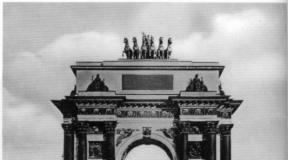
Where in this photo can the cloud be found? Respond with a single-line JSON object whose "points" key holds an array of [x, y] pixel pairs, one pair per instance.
{"points": [[246, 42]]}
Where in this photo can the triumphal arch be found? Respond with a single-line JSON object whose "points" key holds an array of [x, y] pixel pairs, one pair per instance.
{"points": [[147, 98]]}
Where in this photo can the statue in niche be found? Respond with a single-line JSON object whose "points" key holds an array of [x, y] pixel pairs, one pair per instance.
{"points": [[194, 150], [136, 50], [97, 85], [160, 50], [95, 149], [168, 51], [127, 50], [144, 47], [196, 85]]}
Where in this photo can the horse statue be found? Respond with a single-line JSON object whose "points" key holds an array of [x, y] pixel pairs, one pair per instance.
{"points": [[152, 48], [160, 50], [168, 50], [144, 47], [127, 49], [136, 50]]}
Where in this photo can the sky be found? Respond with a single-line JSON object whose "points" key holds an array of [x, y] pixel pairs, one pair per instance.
{"points": [[42, 40]]}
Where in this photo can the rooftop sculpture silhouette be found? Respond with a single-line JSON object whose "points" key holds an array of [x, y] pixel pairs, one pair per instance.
{"points": [[148, 49]]}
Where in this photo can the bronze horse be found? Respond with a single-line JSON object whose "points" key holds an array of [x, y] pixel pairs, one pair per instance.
{"points": [[127, 49], [168, 50], [160, 50], [136, 50]]}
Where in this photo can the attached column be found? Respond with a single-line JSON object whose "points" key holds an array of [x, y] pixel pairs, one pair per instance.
{"points": [[68, 141], [110, 139], [182, 139], [225, 141], [211, 131], [82, 141]]}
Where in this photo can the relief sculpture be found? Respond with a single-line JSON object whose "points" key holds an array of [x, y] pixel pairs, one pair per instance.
{"points": [[95, 150], [196, 85], [123, 133], [195, 150], [97, 85]]}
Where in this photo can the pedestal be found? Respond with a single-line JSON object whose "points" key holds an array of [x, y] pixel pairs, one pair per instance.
{"points": [[225, 141]]}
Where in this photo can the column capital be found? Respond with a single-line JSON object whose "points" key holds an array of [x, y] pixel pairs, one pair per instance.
{"points": [[225, 129], [82, 127], [211, 127], [68, 128], [109, 126]]}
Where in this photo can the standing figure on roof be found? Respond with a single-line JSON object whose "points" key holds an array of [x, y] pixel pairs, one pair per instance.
{"points": [[144, 47], [160, 50]]}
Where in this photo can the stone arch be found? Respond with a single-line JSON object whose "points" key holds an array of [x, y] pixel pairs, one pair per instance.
{"points": [[138, 139]]}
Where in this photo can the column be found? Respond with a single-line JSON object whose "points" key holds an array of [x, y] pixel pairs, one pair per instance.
{"points": [[225, 141], [211, 131], [82, 141], [183, 138], [109, 129], [68, 141]]}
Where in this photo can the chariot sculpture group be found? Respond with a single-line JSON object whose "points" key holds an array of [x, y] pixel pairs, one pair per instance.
{"points": [[148, 49]]}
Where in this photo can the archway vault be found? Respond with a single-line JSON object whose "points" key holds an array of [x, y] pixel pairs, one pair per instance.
{"points": [[138, 139]]}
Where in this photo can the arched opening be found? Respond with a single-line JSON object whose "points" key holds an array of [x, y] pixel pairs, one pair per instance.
{"points": [[147, 149], [147, 152]]}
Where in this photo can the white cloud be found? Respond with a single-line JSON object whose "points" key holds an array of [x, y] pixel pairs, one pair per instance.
{"points": [[241, 41]]}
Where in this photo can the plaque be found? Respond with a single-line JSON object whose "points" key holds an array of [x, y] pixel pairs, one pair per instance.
{"points": [[147, 82]]}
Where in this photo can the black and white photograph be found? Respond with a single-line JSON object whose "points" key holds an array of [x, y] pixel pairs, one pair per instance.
{"points": [[144, 80]]}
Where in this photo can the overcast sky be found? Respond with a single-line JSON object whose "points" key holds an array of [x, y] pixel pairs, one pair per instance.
{"points": [[41, 41]]}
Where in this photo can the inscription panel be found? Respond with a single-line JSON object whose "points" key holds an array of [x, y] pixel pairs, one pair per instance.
{"points": [[147, 82]]}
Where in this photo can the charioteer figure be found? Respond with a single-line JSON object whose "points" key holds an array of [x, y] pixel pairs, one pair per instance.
{"points": [[148, 49]]}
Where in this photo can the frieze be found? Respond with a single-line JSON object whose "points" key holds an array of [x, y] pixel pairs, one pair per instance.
{"points": [[195, 150], [144, 113], [198, 111], [196, 104], [124, 133], [96, 111], [96, 105]]}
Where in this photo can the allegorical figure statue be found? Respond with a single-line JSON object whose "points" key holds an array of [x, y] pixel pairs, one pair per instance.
{"points": [[127, 50], [196, 85], [97, 85], [136, 50], [160, 50], [144, 47]]}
